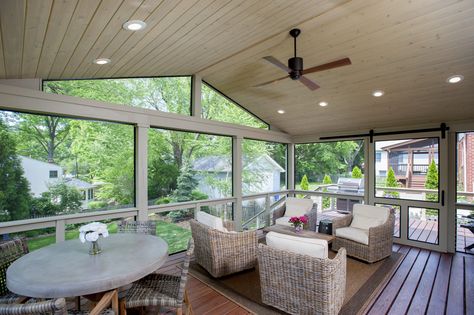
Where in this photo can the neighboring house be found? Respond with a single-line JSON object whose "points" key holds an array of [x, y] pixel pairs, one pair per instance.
{"points": [[263, 172], [41, 175], [409, 159], [465, 161]]}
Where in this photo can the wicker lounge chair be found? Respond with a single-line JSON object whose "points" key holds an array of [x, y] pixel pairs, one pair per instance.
{"points": [[160, 290], [224, 253], [370, 243], [9, 252], [281, 212], [58, 307], [143, 227], [300, 284]]}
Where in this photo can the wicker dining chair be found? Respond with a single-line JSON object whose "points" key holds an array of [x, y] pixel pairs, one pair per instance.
{"points": [[59, 307], [143, 227], [301, 284], [224, 253], [161, 290], [9, 252]]}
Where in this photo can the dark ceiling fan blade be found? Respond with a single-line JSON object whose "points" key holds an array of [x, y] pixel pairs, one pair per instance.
{"points": [[277, 63], [329, 65], [272, 81], [309, 84]]}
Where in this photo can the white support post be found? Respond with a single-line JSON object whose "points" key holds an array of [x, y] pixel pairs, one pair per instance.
{"points": [[197, 208], [267, 210], [60, 231], [451, 192], [290, 167], [141, 171], [196, 86], [237, 180]]}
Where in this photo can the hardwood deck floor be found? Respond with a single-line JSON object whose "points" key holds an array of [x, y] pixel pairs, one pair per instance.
{"points": [[426, 282]]}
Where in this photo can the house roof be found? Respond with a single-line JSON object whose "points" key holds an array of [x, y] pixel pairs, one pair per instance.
{"points": [[224, 164], [412, 143], [79, 184], [408, 49], [39, 161]]}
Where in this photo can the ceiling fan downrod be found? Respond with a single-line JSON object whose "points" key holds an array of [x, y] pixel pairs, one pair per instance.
{"points": [[295, 63]]}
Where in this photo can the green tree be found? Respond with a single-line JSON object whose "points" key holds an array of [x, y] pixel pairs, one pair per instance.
{"points": [[326, 200], [14, 188], [391, 181], [187, 183], [432, 181], [304, 185], [66, 198], [356, 172]]}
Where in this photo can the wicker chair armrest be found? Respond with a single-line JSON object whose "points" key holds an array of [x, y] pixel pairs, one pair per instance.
{"points": [[384, 231], [341, 222], [57, 306], [229, 225], [313, 218]]}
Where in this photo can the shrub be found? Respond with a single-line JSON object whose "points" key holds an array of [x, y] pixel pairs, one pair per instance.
{"points": [[304, 185], [356, 172], [326, 200], [98, 204], [391, 181], [432, 181]]}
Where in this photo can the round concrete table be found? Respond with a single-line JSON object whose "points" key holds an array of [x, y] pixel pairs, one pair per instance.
{"points": [[66, 269]]}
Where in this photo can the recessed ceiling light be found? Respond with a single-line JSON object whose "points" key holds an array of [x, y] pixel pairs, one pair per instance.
{"points": [[455, 78], [378, 93], [134, 25], [280, 111], [323, 104], [101, 61]]}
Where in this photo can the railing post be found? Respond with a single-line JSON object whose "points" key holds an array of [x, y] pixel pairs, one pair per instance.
{"points": [[197, 208], [267, 210], [60, 231], [290, 167], [237, 180]]}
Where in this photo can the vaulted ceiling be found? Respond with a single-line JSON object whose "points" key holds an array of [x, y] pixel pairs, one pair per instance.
{"points": [[406, 48]]}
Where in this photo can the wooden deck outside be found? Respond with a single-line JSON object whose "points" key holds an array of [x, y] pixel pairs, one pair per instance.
{"points": [[426, 282]]}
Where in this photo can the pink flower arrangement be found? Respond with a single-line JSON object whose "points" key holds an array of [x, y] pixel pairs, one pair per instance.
{"points": [[298, 222]]}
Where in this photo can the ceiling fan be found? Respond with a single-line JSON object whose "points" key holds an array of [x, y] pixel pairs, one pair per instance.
{"points": [[295, 66]]}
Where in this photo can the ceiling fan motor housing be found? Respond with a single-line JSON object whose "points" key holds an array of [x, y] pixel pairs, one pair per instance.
{"points": [[296, 66]]}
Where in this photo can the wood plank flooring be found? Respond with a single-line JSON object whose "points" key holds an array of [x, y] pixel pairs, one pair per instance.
{"points": [[426, 282]]}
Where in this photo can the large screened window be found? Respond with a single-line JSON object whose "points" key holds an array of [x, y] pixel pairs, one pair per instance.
{"points": [[52, 165], [216, 106], [335, 167], [166, 94], [407, 169]]}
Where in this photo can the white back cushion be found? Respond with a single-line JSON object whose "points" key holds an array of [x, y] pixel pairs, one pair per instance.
{"points": [[211, 221], [283, 221], [296, 207], [300, 245], [365, 216]]}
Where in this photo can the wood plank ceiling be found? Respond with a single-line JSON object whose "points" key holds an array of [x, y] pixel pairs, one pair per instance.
{"points": [[406, 48]]}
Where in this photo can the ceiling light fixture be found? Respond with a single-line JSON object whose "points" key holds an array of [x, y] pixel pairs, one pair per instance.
{"points": [[280, 111], [101, 61], [134, 25], [378, 93], [323, 104], [455, 79]]}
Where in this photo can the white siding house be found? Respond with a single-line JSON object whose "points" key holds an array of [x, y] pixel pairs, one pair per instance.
{"points": [[40, 174]]}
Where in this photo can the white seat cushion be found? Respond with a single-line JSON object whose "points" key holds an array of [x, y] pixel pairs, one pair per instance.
{"points": [[365, 216], [354, 234], [283, 221], [211, 221], [300, 245], [296, 207]]}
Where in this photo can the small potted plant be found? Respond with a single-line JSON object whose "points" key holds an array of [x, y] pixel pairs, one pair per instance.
{"points": [[299, 222], [91, 233]]}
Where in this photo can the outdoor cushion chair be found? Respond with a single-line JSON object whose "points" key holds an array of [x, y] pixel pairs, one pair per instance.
{"points": [[58, 307], [223, 253], [9, 252], [296, 207], [367, 234], [161, 290], [143, 227], [301, 284]]}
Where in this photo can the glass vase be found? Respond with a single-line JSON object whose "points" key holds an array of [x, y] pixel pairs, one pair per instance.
{"points": [[94, 248], [298, 228]]}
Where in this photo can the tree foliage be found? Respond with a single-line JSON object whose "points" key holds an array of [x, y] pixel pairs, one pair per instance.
{"points": [[326, 200], [431, 181], [356, 172], [391, 181], [14, 188], [304, 185]]}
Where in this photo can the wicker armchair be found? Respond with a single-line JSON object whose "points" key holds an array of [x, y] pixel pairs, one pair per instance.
{"points": [[143, 227], [380, 238], [160, 289], [312, 215], [58, 307], [300, 284], [224, 253], [9, 252]]}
